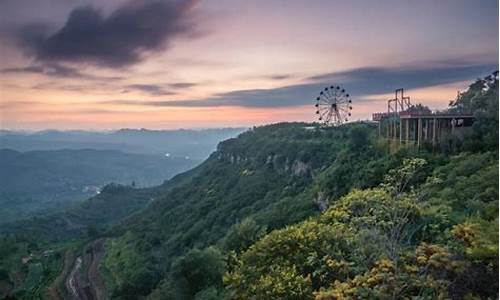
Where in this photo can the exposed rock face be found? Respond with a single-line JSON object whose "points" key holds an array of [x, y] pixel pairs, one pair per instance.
{"points": [[276, 161], [300, 168], [232, 158], [321, 201]]}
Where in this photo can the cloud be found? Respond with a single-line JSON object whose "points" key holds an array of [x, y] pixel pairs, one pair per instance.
{"points": [[182, 85], [17, 104], [377, 80], [63, 72], [159, 89], [120, 39], [280, 76], [358, 82], [58, 71], [154, 90]]}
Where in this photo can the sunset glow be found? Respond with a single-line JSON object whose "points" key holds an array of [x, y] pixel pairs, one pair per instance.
{"points": [[232, 63]]}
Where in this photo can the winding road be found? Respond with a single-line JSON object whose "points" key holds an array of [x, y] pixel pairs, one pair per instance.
{"points": [[93, 289], [73, 284]]}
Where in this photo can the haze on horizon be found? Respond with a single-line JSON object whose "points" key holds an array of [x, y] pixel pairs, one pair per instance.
{"points": [[95, 64]]}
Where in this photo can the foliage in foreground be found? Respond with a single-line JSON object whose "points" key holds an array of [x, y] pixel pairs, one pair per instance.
{"points": [[389, 242]]}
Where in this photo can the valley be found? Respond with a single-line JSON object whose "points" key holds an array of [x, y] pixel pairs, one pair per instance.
{"points": [[40, 182]]}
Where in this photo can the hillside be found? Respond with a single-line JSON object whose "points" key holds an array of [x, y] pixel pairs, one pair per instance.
{"points": [[295, 211], [276, 175], [37, 182], [436, 239], [267, 179]]}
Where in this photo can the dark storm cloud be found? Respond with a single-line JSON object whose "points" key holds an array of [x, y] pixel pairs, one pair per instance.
{"points": [[120, 39], [359, 82]]}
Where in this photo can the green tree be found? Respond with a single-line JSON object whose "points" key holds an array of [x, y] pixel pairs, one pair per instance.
{"points": [[481, 100], [198, 270], [420, 109], [243, 235], [359, 137]]}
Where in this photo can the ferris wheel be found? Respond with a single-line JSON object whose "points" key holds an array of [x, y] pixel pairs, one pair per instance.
{"points": [[333, 106]]}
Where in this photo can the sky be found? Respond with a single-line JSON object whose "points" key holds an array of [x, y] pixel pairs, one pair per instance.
{"points": [[165, 64]]}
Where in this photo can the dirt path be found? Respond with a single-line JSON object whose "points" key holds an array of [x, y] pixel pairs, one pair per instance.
{"points": [[96, 281], [54, 292], [92, 287], [74, 284]]}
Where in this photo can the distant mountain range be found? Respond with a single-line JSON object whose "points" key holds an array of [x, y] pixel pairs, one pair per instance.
{"points": [[196, 144], [49, 170]]}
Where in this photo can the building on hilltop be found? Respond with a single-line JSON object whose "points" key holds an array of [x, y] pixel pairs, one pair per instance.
{"points": [[417, 125]]}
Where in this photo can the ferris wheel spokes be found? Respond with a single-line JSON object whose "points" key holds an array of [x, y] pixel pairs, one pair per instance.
{"points": [[333, 105]]}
